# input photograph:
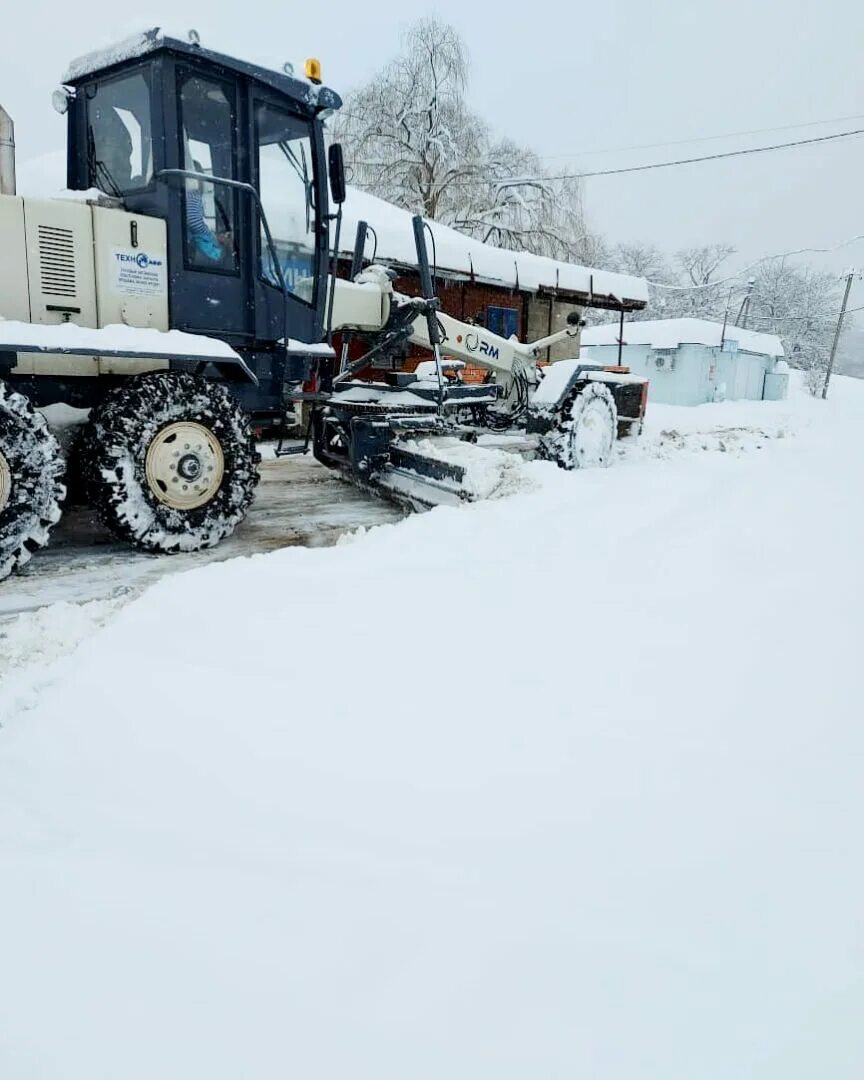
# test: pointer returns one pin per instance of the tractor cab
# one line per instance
(231, 157)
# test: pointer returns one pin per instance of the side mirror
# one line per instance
(336, 169)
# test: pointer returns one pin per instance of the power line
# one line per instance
(802, 318)
(351, 114)
(519, 181)
(701, 138)
(758, 262)
(716, 157)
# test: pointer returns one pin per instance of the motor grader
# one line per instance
(186, 281)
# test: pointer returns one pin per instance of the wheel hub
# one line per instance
(189, 467)
(184, 465)
(5, 482)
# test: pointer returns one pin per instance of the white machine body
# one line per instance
(82, 262)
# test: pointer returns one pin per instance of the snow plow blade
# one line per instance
(419, 482)
(418, 461)
(422, 482)
(396, 440)
(447, 471)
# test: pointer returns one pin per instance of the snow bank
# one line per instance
(561, 785)
(670, 333)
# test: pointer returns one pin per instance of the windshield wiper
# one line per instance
(98, 169)
(302, 169)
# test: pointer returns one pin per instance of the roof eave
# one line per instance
(573, 296)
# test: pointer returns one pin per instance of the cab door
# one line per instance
(288, 171)
(213, 294)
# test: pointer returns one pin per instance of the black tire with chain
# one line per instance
(114, 453)
(593, 401)
(33, 490)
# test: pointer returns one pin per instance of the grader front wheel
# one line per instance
(584, 433)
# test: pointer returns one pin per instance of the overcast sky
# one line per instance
(568, 79)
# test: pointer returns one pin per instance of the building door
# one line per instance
(503, 321)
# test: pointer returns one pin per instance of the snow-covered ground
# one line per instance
(566, 784)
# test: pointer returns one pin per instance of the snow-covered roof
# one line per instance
(670, 333)
(461, 255)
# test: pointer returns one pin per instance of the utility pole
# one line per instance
(744, 310)
(726, 317)
(836, 341)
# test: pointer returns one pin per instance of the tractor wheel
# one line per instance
(169, 462)
(31, 480)
(584, 434)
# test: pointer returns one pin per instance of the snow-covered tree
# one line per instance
(686, 285)
(701, 265)
(703, 270)
(516, 206)
(410, 137)
(800, 305)
(642, 260)
(796, 302)
(407, 134)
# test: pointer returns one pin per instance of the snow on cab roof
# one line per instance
(670, 333)
(462, 256)
(188, 43)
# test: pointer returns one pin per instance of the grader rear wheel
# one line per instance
(31, 480)
(170, 463)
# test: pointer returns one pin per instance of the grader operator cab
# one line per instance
(198, 204)
(181, 284)
(209, 213)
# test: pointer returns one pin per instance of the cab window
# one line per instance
(207, 135)
(287, 189)
(119, 134)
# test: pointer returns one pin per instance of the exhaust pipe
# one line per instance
(7, 153)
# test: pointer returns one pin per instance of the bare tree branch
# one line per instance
(410, 138)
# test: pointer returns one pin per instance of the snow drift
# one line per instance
(561, 785)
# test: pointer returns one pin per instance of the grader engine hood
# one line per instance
(64, 261)
(84, 291)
